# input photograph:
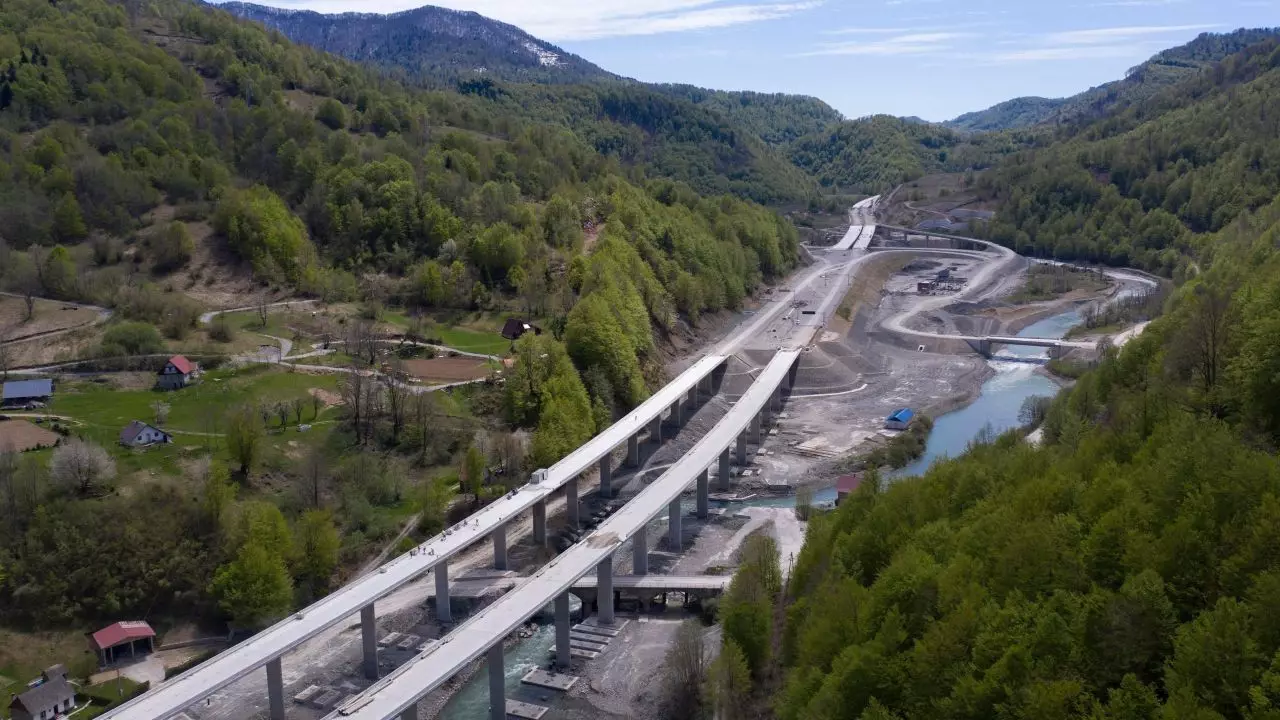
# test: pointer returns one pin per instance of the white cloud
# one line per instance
(907, 44)
(559, 20)
(1099, 36)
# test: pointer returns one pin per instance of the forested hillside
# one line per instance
(713, 145)
(1012, 114)
(776, 118)
(429, 43)
(1141, 185)
(1165, 69)
(134, 135)
(872, 155)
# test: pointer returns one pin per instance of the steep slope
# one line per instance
(1165, 69)
(429, 42)
(664, 132)
(776, 118)
(871, 155)
(1139, 186)
(1009, 115)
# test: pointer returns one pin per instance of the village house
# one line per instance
(517, 327)
(139, 434)
(54, 697)
(177, 373)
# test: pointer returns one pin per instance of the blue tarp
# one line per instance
(27, 389)
(903, 416)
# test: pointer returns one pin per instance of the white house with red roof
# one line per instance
(128, 636)
(177, 373)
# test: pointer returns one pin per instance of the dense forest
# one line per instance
(1138, 187)
(874, 154)
(132, 134)
(1164, 69)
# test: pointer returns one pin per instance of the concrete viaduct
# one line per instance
(397, 695)
(675, 402)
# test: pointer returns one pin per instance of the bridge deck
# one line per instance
(187, 689)
(392, 695)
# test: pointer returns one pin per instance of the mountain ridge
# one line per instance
(433, 41)
(1164, 69)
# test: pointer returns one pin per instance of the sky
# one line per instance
(933, 59)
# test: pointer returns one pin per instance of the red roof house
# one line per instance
(176, 373)
(846, 484)
(110, 640)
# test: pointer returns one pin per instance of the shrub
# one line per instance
(132, 338)
(221, 329)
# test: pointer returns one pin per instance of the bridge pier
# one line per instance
(704, 501)
(757, 429)
(606, 476)
(410, 713)
(690, 405)
(369, 639)
(792, 374)
(674, 417)
(540, 522)
(722, 482)
(717, 376)
(775, 399)
(673, 524)
(633, 451)
(742, 449)
(500, 547)
(275, 689)
(444, 610)
(571, 502)
(655, 430)
(497, 683)
(640, 551)
(604, 590)
(564, 649)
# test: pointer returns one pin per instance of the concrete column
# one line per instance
(707, 384)
(500, 547)
(564, 651)
(691, 405)
(571, 502)
(717, 376)
(655, 430)
(640, 551)
(633, 451)
(675, 416)
(792, 375)
(704, 502)
(540, 522)
(444, 611)
(606, 476)
(369, 634)
(775, 399)
(410, 713)
(497, 683)
(604, 590)
(275, 689)
(723, 482)
(673, 524)
(757, 429)
(742, 449)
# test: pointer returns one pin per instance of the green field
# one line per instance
(191, 409)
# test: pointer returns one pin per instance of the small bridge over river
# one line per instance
(1057, 348)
